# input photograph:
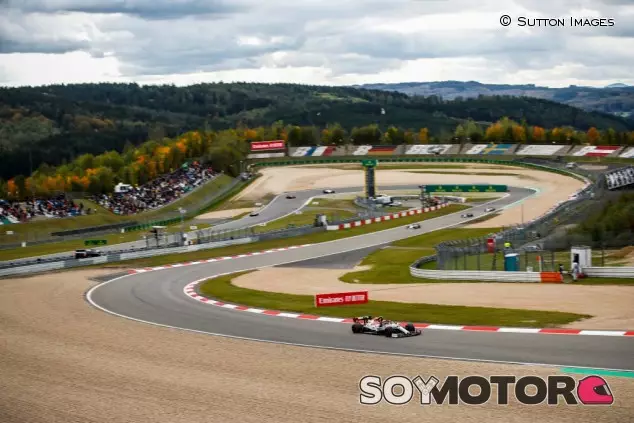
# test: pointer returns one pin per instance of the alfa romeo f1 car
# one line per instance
(379, 326)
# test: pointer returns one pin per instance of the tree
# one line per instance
(366, 135)
(495, 132)
(519, 134)
(594, 136)
(423, 136)
(393, 136)
(539, 134)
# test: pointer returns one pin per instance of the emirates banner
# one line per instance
(268, 145)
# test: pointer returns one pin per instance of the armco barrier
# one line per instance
(467, 275)
(609, 272)
(112, 258)
(384, 218)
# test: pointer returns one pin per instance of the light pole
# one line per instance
(182, 212)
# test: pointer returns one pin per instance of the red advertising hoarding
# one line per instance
(268, 145)
(341, 298)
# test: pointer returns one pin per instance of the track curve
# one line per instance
(158, 298)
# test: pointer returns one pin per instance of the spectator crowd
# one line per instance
(158, 192)
(620, 177)
(58, 206)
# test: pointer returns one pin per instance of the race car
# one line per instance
(379, 326)
(489, 209)
(254, 213)
(329, 191)
(466, 215)
(413, 226)
(290, 196)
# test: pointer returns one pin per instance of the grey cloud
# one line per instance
(169, 37)
(146, 9)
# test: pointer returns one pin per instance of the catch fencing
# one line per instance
(117, 257)
(530, 240)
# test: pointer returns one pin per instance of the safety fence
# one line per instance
(118, 257)
(608, 272)
(491, 276)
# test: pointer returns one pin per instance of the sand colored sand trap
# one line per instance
(222, 214)
(553, 187)
(63, 361)
(611, 306)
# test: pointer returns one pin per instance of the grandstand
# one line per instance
(596, 151)
(490, 149)
(543, 150)
(628, 154)
(620, 178)
(432, 149)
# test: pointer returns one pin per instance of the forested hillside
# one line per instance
(55, 124)
(616, 99)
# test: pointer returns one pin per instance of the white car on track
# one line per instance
(413, 226)
(329, 191)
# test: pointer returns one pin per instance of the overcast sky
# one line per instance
(331, 42)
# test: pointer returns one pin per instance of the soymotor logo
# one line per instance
(477, 390)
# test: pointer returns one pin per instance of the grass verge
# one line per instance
(277, 243)
(391, 264)
(222, 289)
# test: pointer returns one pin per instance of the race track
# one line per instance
(158, 298)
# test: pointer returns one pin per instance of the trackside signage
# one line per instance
(341, 298)
(267, 145)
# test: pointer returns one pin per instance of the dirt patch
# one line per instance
(64, 361)
(610, 306)
(223, 214)
(552, 187)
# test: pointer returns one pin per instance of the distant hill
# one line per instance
(56, 123)
(616, 99)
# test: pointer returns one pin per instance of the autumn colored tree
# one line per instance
(423, 136)
(593, 136)
(538, 134)
(495, 132)
(519, 134)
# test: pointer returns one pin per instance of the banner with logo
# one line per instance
(268, 145)
(341, 298)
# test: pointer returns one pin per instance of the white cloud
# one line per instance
(311, 41)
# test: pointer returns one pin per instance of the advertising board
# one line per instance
(341, 298)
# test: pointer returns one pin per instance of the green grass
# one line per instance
(222, 289)
(391, 264)
(277, 243)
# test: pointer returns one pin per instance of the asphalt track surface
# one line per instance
(158, 298)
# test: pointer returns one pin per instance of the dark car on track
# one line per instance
(80, 254)
(466, 215)
(290, 196)
(379, 326)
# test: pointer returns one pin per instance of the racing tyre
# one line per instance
(388, 332)
(357, 328)
(410, 327)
